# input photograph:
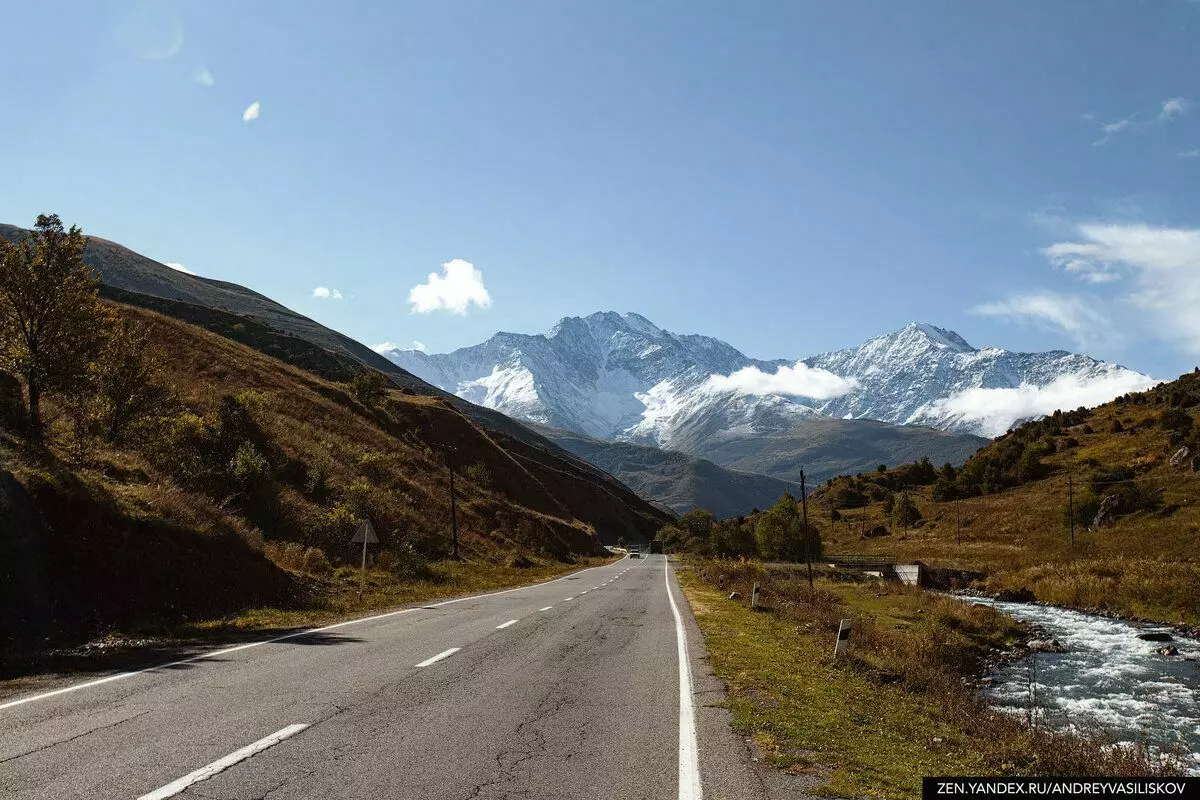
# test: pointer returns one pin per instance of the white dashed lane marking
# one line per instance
(439, 656)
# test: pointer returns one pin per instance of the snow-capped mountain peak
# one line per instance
(620, 376)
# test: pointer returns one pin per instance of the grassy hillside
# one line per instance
(260, 463)
(260, 322)
(1011, 517)
(675, 480)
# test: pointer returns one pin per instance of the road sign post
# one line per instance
(754, 596)
(366, 535)
(843, 637)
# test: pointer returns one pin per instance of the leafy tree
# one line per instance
(368, 386)
(50, 316)
(847, 496)
(128, 380)
(1030, 466)
(905, 512)
(780, 532)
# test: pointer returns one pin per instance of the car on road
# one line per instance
(635, 552)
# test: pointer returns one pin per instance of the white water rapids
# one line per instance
(1107, 677)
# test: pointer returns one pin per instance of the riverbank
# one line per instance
(1189, 630)
(899, 704)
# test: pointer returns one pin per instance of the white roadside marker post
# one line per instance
(843, 637)
(366, 535)
(754, 596)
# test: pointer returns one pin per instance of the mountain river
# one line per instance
(1106, 677)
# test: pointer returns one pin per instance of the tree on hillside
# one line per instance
(368, 386)
(127, 377)
(50, 315)
(905, 513)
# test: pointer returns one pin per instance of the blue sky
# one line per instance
(789, 176)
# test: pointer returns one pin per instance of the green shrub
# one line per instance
(249, 468)
(479, 475)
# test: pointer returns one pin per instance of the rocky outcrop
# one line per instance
(1111, 507)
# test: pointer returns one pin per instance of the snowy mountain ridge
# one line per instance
(621, 377)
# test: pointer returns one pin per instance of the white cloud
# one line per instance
(325, 293)
(1169, 109)
(203, 76)
(1164, 263)
(458, 288)
(799, 380)
(1112, 128)
(1173, 108)
(1190, 153)
(996, 410)
(384, 347)
(1068, 313)
(251, 112)
(179, 268)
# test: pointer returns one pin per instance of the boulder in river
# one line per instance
(1156, 636)
(1169, 650)
(1022, 595)
(1047, 646)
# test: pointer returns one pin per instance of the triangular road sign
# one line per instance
(365, 533)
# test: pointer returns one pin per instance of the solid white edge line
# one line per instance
(204, 773)
(547, 608)
(504, 625)
(689, 751)
(227, 650)
(439, 657)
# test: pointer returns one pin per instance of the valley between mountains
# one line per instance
(921, 391)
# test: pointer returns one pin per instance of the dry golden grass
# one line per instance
(1146, 564)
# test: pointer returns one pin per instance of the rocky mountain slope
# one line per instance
(619, 377)
(924, 375)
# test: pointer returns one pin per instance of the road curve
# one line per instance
(574, 688)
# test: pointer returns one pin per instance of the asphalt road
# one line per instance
(566, 689)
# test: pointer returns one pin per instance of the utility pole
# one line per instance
(453, 502)
(957, 521)
(804, 507)
(1071, 505)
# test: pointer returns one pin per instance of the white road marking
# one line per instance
(439, 656)
(204, 773)
(689, 759)
(585, 591)
(547, 608)
(504, 625)
(565, 599)
(226, 651)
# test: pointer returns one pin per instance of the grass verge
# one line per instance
(895, 707)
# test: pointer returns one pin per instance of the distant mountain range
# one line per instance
(614, 377)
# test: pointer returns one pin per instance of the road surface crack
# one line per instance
(69, 739)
